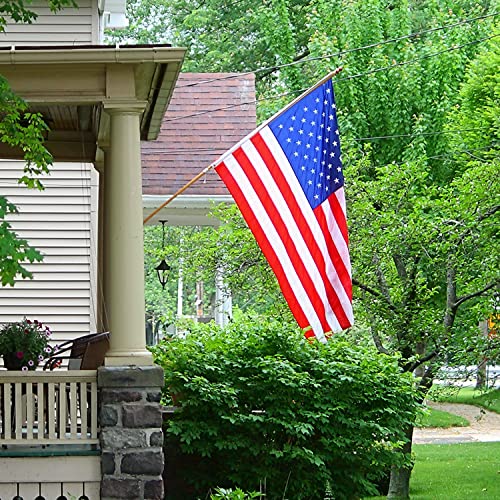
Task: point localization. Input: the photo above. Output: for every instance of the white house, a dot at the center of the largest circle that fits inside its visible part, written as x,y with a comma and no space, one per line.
100,102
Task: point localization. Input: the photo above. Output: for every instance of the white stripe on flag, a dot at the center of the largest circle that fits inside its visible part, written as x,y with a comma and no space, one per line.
337,235
341,197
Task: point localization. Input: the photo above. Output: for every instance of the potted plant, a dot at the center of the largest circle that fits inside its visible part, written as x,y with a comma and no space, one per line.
24,344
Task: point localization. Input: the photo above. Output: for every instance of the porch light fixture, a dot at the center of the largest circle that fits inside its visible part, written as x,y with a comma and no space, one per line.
163,269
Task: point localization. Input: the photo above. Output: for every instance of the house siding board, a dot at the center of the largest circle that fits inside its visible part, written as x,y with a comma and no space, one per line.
56,221
187,144
70,26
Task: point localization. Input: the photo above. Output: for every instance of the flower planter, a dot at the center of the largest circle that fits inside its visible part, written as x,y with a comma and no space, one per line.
12,362
24,344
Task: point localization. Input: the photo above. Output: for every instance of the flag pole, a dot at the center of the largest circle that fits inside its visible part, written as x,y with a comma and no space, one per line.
178,192
330,75
278,113
221,158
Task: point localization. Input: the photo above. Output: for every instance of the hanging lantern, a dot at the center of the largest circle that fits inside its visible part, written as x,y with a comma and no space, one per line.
163,269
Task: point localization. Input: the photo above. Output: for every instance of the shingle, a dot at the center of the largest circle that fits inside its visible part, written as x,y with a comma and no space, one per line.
208,114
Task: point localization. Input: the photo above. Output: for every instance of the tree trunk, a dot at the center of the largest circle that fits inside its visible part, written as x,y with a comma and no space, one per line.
399,486
420,350
481,375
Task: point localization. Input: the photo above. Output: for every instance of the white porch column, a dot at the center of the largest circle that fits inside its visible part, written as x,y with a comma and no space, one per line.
123,238
223,300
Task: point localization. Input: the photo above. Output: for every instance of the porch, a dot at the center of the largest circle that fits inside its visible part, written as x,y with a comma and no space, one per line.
81,434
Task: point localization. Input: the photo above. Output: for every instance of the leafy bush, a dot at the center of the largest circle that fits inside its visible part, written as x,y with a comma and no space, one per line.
230,494
259,402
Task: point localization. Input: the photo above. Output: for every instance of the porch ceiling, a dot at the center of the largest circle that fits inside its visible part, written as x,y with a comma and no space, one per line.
70,87
185,210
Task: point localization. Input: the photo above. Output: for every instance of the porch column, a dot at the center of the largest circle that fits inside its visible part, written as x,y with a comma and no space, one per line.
123,238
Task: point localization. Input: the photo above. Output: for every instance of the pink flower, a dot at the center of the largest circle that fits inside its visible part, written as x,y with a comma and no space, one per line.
26,331
40,357
24,368
28,321
31,362
48,350
19,354
35,321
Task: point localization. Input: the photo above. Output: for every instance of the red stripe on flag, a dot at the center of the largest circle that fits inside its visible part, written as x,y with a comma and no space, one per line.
280,226
338,262
305,229
263,242
338,212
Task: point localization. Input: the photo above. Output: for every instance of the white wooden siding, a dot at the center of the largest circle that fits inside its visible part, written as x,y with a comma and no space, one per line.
69,26
58,222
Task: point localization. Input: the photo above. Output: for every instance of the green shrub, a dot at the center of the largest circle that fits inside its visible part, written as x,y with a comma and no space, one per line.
230,494
259,402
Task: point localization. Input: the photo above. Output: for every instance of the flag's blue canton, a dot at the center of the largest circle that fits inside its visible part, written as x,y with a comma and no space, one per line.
309,136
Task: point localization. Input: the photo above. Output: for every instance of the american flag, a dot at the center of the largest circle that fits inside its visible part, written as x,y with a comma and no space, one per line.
286,177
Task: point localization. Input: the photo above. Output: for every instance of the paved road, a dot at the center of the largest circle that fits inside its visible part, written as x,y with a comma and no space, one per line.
484,426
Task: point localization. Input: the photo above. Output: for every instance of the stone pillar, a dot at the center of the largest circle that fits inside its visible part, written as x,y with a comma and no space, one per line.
131,433
123,238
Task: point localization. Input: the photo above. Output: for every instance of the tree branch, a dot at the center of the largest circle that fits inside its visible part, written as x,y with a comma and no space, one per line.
400,266
384,289
374,292
451,297
410,367
492,211
299,57
463,299
426,381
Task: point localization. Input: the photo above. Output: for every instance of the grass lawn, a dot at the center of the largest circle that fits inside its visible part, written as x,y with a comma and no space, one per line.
456,471
489,400
438,418
466,471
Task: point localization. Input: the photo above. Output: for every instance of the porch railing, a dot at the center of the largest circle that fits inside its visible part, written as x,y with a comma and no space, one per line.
39,408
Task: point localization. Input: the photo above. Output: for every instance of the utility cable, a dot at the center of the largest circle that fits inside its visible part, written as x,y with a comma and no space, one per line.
342,52
358,75
358,139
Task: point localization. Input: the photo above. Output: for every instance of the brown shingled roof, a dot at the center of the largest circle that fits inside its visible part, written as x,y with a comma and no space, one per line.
190,141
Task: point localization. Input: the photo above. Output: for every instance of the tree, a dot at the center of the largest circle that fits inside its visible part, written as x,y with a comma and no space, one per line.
423,257
232,247
23,130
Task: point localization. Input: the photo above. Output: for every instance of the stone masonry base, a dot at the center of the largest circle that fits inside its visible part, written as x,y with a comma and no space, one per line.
131,434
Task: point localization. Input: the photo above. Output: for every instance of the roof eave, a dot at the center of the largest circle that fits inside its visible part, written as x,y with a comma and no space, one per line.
157,69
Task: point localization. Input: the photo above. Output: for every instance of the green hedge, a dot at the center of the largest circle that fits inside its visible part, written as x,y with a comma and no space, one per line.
260,403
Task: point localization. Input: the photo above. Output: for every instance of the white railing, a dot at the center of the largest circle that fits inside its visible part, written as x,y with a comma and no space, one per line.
39,408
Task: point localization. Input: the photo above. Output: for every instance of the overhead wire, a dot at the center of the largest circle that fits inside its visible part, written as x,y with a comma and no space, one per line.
342,52
394,136
358,75
420,134
421,58
450,154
